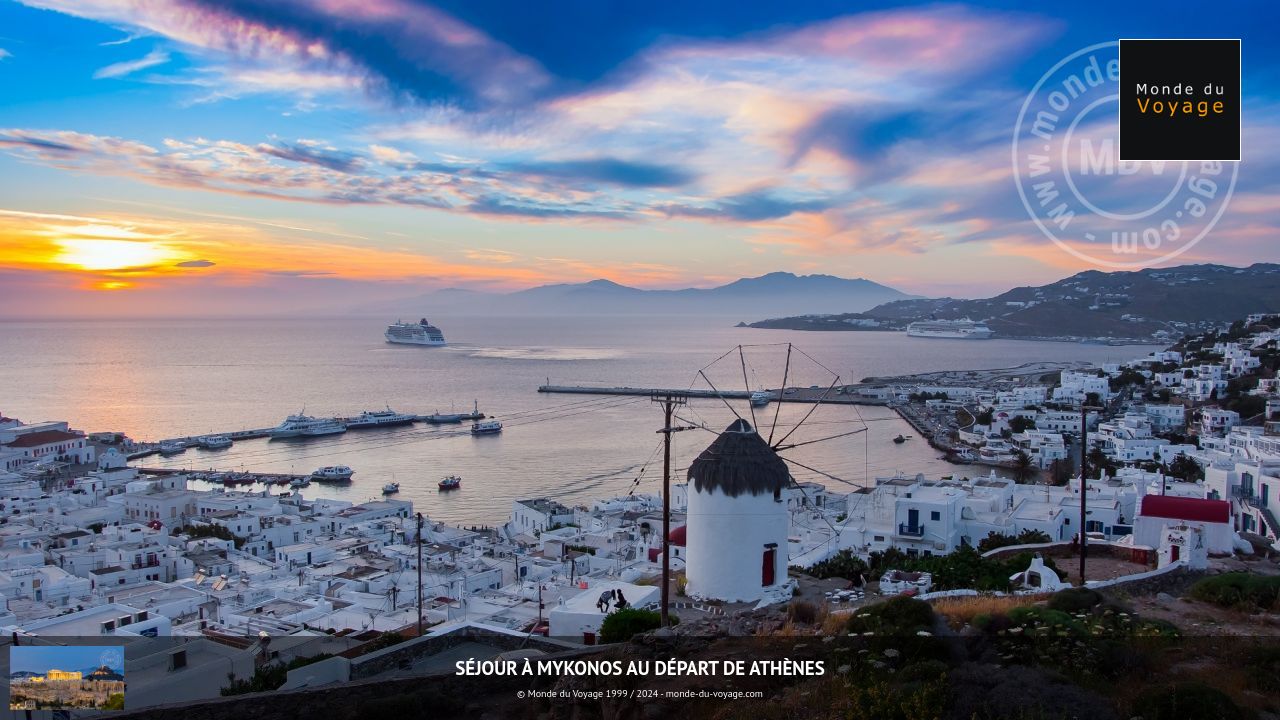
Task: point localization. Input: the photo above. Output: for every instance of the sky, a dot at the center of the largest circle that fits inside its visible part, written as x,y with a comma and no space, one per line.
40,659
225,157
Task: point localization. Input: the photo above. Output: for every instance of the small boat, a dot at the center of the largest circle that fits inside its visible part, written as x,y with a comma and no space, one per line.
299,482
333,473
391,488
453,482
899,440
437,418
486,427
215,442
761,397
171,448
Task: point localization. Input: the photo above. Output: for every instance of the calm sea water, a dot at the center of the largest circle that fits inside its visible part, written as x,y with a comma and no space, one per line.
158,379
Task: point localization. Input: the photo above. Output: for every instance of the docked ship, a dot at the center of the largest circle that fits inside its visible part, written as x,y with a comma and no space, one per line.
298,426
419,333
333,473
760,398
379,418
954,329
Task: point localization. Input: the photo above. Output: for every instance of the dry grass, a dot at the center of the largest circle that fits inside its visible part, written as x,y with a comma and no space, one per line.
835,621
961,611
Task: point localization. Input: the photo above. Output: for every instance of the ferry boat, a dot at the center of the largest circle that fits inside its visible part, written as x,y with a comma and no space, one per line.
215,442
379,418
761,397
437,418
300,425
419,333
453,482
391,488
333,473
955,329
486,427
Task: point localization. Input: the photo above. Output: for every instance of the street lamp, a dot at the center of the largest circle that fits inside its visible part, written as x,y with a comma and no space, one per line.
1084,480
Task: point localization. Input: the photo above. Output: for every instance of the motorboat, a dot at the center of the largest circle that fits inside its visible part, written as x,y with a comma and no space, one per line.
899,440
215,442
170,447
453,482
391,488
333,473
486,427
761,397
299,482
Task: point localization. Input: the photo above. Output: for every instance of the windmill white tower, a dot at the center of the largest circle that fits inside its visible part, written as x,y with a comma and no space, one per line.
736,536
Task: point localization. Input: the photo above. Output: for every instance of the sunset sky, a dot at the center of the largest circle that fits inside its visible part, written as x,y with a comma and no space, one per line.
240,156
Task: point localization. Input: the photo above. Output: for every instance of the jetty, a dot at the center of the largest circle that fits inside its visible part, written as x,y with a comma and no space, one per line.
840,394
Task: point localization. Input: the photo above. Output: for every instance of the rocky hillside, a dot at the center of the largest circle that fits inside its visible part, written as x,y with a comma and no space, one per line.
1153,304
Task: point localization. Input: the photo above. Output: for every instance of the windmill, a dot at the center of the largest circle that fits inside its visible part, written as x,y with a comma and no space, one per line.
736,484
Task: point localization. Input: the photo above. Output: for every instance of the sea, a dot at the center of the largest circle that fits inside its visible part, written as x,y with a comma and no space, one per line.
156,379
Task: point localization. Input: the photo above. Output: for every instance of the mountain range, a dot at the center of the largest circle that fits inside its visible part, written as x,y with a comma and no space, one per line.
778,292
1149,304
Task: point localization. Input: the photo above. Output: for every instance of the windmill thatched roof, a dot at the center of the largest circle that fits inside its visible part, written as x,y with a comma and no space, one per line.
739,462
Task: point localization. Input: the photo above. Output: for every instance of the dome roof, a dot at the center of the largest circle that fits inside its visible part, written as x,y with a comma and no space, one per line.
739,462
677,536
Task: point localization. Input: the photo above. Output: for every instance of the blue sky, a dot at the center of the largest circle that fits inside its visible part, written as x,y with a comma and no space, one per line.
297,148
40,658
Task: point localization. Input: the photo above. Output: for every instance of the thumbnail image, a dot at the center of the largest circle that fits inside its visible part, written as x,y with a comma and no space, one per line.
54,677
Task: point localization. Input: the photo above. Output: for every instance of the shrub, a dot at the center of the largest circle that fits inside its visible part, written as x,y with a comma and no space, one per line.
1186,701
898,616
805,613
1262,665
1239,590
843,564
1074,600
995,540
622,625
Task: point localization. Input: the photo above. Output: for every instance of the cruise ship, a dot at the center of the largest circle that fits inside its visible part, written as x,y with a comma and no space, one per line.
419,333
955,329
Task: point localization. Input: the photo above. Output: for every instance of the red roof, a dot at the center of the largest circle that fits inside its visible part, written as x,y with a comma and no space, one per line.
43,437
1182,508
677,536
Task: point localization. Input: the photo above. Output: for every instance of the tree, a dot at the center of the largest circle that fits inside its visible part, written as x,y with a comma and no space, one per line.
1023,467
1185,468
985,417
1022,423
1092,398
1059,472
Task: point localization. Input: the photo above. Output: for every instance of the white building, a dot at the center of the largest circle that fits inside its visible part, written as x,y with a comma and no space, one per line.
737,520
1157,513
1215,421
579,618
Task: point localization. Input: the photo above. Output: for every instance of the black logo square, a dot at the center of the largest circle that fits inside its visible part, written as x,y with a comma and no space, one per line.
1179,100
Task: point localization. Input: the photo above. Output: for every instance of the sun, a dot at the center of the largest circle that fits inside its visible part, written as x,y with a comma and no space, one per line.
112,254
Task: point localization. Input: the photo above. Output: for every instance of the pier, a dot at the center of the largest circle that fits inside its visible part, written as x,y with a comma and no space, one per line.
839,395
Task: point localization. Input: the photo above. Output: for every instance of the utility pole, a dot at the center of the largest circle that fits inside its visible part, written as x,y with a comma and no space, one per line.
1084,480
669,403
419,540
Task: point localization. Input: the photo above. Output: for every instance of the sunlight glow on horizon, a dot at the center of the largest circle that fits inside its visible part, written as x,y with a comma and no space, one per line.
113,254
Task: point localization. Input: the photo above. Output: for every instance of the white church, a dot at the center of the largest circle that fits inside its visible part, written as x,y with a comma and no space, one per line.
737,519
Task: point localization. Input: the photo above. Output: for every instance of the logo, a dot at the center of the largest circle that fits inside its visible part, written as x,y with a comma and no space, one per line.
1107,211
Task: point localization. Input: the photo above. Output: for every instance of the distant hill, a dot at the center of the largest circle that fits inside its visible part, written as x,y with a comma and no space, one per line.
1152,304
775,293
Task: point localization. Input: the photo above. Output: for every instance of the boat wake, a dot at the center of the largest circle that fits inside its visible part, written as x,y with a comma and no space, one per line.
545,353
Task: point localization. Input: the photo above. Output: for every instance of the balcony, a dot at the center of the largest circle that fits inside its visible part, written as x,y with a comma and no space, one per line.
910,530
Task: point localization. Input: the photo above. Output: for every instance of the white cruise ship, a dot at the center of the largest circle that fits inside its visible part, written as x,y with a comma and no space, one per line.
955,329
419,333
